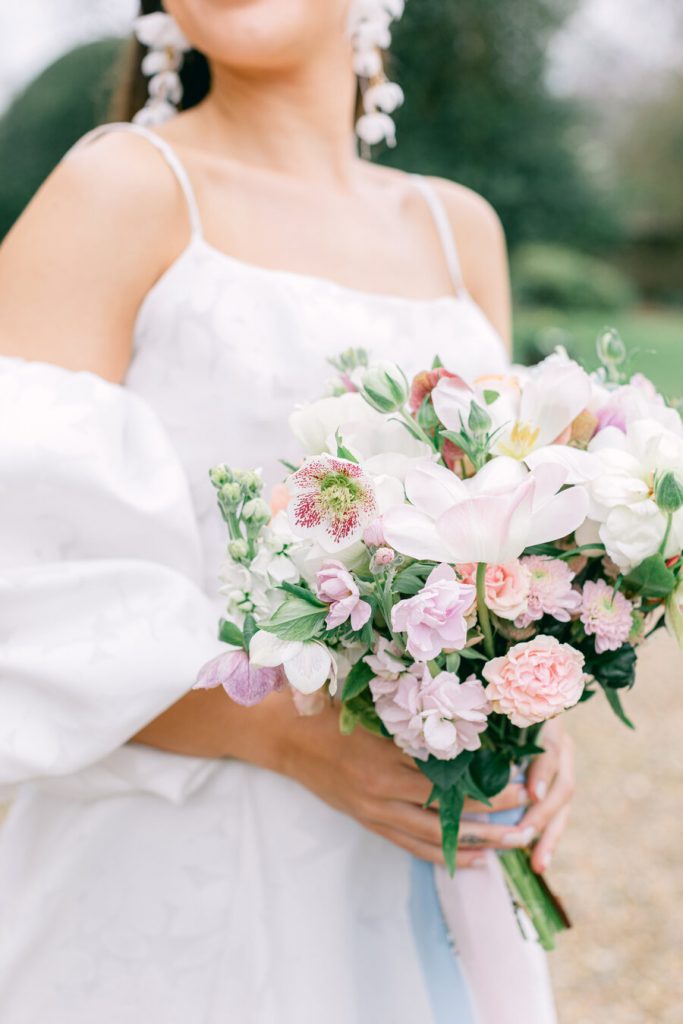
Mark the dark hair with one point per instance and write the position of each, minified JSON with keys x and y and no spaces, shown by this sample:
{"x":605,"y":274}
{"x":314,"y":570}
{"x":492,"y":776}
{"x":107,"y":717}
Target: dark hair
{"x":130,"y":93}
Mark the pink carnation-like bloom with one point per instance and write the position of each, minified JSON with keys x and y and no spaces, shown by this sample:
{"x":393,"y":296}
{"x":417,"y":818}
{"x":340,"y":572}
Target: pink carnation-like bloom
{"x":606,"y":614}
{"x":439,"y":716}
{"x":434,"y":619}
{"x":550,"y":590}
{"x":535,"y":680}
{"x":507,"y":586}
{"x":337,"y":587}
{"x":245,"y":683}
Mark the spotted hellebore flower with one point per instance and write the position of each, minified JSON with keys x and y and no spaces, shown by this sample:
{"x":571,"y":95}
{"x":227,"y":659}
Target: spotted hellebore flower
{"x":246,"y":683}
{"x":332,"y":500}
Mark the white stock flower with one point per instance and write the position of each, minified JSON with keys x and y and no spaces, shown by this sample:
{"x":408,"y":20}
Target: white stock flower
{"x":308,"y":665}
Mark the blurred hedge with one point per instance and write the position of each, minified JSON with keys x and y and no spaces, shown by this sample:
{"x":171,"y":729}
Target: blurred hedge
{"x":561,"y":278}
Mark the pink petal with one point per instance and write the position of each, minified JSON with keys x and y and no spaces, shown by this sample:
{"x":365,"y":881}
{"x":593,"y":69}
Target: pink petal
{"x":413,"y":533}
{"x":360,"y":615}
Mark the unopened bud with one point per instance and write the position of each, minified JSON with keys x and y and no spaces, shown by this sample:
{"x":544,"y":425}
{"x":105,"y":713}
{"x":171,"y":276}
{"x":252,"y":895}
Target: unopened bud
{"x":251,"y":482}
{"x":238,"y":549}
{"x":610,"y":348}
{"x":478,"y":421}
{"x":220,"y":475}
{"x":384,"y":386}
{"x":668,"y":492}
{"x":382,"y":557}
{"x":257,"y":511}
{"x":231,"y":494}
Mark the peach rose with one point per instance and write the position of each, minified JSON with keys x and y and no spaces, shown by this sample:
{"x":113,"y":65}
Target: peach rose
{"x":535,"y":680}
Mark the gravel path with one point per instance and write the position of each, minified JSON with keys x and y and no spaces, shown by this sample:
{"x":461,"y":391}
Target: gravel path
{"x":620,"y":866}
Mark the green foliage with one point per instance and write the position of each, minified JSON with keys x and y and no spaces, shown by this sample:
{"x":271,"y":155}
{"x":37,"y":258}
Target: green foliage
{"x":229,"y":633}
{"x":652,"y":578}
{"x":614,"y":701}
{"x":410,"y":580}
{"x":68,"y":99}
{"x":360,"y":710}
{"x":553,"y":275}
{"x":490,"y":770}
{"x":296,"y":619}
{"x":357,"y":680}
{"x":612,"y":669}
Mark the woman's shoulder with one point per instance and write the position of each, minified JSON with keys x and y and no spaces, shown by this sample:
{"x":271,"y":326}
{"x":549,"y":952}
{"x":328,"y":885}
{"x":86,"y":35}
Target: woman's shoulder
{"x":468,"y":211}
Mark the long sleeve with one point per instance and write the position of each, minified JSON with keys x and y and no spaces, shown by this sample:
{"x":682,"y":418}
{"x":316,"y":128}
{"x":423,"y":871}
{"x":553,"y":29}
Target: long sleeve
{"x":103,"y":620}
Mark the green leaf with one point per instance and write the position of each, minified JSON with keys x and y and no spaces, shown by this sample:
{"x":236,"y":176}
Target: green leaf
{"x":472,"y":789}
{"x":615,"y":669}
{"x":491,"y":396}
{"x":288,"y":465}
{"x":412,"y":579}
{"x":490,"y":770}
{"x":361,"y":711}
{"x":445,"y":774}
{"x":348,"y":720}
{"x":450,"y":811}
{"x":342,"y":451}
{"x":303,"y":593}
{"x":229,"y":633}
{"x":249,"y":629}
{"x":586,"y":695}
{"x":615,"y":703}
{"x":472,"y":655}
{"x":296,"y":619}
{"x":652,"y":578}
{"x":357,"y":680}
{"x":436,"y":363}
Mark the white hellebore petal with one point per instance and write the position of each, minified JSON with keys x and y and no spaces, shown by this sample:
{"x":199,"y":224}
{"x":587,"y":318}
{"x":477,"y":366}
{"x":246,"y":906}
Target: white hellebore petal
{"x":314,"y":425}
{"x":491,"y":517}
{"x":307,"y":665}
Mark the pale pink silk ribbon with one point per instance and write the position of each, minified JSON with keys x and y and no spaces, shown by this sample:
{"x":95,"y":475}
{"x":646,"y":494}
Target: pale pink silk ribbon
{"x":507,"y":974}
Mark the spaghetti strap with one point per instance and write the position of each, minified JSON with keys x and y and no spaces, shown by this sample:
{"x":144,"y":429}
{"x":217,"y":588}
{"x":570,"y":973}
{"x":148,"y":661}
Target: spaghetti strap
{"x":444,"y":230}
{"x":169,"y":156}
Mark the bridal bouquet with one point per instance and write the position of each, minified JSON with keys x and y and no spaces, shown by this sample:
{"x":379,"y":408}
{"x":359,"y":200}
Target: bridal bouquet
{"x":457,"y":562}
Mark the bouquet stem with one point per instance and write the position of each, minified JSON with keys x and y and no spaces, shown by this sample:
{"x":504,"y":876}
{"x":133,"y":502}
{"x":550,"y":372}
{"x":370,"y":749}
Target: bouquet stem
{"x":532,"y":894}
{"x":483,"y":612}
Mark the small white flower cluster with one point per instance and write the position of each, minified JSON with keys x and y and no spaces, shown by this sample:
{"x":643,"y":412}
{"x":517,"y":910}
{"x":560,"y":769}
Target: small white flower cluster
{"x":167,"y":44}
{"x":253,"y":589}
{"x":369,"y":28}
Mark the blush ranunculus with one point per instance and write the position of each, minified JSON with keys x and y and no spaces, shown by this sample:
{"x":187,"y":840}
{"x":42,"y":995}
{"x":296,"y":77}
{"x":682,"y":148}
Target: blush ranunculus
{"x":434,"y":619}
{"x":337,"y":587}
{"x":535,"y":680}
{"x":507,"y":586}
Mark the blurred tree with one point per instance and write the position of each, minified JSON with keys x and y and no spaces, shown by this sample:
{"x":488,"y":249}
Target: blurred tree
{"x":478,"y":111}
{"x":60,"y":105}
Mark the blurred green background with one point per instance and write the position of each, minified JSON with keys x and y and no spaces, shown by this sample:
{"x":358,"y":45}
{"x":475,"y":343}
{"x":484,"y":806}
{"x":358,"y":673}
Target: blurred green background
{"x":589,"y":185}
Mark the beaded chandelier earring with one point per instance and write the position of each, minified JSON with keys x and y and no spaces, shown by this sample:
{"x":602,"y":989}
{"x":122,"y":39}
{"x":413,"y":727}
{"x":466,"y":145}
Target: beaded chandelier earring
{"x":167,"y":47}
{"x":370,"y":32}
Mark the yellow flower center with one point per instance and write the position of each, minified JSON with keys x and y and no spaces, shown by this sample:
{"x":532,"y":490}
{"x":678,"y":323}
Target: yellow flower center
{"x":521,"y":441}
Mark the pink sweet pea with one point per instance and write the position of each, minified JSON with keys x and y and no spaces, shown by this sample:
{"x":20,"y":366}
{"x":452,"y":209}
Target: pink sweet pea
{"x":337,"y":587}
{"x":535,"y":680}
{"x":434,"y":619}
{"x":245,"y":683}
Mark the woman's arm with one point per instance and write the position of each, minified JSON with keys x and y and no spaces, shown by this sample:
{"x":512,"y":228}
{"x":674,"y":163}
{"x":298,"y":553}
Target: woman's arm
{"x":76,"y":265}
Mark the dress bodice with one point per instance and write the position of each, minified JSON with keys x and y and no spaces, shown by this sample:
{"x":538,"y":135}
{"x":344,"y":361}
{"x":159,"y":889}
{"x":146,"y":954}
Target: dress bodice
{"x":224,"y":350}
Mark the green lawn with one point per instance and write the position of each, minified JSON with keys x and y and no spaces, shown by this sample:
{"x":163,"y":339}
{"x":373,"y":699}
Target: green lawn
{"x":653,"y":336}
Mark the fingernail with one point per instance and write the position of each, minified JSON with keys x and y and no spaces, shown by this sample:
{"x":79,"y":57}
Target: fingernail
{"x":546,"y":861}
{"x":541,"y":788}
{"x":522,"y":838}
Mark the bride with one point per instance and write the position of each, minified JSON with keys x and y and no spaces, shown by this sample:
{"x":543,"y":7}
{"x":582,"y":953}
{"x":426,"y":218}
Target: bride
{"x":174,"y":289}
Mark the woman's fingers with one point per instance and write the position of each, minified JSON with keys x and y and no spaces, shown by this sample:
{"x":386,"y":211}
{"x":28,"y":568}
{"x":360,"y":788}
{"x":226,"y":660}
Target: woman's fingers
{"x":544,"y":768}
{"x":545,"y":848}
{"x":425,"y":851}
{"x":539,"y":816}
{"x":513,"y":796}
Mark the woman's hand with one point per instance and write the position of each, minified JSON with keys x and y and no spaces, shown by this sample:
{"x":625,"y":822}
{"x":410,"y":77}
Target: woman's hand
{"x":551,"y":787}
{"x":371,"y":780}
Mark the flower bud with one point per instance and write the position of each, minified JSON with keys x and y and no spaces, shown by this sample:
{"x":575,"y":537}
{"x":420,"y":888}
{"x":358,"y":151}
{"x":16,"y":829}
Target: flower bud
{"x":384,"y":387}
{"x":250,"y":482}
{"x":257,"y":512}
{"x":611,"y":349}
{"x":230,"y":494}
{"x":382,"y":557}
{"x":478,"y":421}
{"x":668,"y":492}
{"x":220,"y":475}
{"x":238,"y":549}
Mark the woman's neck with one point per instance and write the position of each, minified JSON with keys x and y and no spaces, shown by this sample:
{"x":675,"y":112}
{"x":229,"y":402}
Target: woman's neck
{"x":299,"y":122}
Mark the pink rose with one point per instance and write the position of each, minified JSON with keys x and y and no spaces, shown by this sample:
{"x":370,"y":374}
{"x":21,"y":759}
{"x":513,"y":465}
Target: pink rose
{"x":243,"y":682}
{"x":434,"y":619}
{"x":337,"y":587}
{"x":535,"y":680}
{"x":507,"y":586}
{"x":439,"y":716}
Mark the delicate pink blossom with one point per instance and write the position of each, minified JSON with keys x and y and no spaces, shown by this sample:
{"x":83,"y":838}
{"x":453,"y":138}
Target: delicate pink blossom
{"x":606,"y":614}
{"x":434,"y":619}
{"x":384,"y":556}
{"x":387,"y":665}
{"x":506,"y":588}
{"x":439,"y":716}
{"x":245,"y":683}
{"x":550,"y":590}
{"x":337,"y":587}
{"x":424,"y":383}
{"x":535,"y":680}
{"x":373,"y":534}
{"x":332,"y":500}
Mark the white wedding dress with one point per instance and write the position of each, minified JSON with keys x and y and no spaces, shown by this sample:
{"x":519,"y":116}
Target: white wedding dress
{"x":140,"y":887}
